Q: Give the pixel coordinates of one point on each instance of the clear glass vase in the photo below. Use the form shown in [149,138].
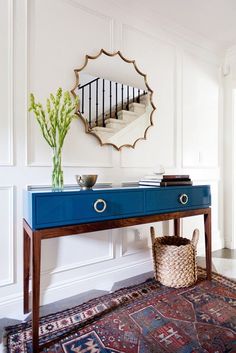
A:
[57,173]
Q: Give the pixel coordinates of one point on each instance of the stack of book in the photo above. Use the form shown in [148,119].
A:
[166,180]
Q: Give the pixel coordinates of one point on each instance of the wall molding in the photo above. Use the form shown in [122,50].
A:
[100,280]
[175,34]
[79,264]
[152,36]
[11,258]
[98,13]
[123,27]
[137,232]
[10,51]
[194,166]
[179,108]
[96,274]
[175,30]
[175,112]
[166,28]
[69,279]
[135,252]
[28,36]
[69,165]
[231,241]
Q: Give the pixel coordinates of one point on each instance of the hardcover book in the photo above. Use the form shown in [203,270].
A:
[176,176]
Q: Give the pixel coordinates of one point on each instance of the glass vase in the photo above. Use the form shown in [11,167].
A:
[57,173]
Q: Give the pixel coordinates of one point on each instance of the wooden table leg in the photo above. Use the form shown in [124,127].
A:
[207,225]
[26,254]
[36,290]
[177,227]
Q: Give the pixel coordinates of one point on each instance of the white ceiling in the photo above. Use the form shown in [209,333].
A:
[215,20]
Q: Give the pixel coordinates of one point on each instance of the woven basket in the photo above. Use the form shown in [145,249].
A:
[174,259]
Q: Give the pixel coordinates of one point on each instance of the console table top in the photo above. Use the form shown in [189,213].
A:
[107,186]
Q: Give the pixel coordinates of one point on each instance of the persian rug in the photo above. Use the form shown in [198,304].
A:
[145,318]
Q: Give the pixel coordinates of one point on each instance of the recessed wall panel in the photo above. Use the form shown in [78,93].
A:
[6,235]
[157,60]
[6,108]
[54,52]
[200,113]
[76,251]
[135,239]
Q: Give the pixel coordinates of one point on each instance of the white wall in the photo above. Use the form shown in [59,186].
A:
[43,42]
[229,175]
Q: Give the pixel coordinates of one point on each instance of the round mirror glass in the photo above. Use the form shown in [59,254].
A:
[115,100]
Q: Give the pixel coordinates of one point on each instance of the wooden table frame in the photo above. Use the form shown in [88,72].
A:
[32,252]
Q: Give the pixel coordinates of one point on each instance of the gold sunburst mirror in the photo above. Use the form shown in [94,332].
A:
[115,100]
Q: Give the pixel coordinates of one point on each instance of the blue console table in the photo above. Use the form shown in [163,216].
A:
[49,214]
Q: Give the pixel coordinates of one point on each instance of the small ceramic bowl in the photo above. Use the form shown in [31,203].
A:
[86,181]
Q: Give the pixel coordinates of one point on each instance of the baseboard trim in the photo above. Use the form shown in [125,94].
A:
[12,306]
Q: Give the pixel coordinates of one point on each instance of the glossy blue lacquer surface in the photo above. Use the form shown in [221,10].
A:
[46,208]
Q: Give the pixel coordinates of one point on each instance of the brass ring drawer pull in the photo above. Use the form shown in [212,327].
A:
[96,204]
[183,199]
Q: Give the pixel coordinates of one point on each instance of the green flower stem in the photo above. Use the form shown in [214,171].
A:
[54,122]
[57,173]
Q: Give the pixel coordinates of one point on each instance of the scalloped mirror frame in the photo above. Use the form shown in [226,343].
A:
[132,62]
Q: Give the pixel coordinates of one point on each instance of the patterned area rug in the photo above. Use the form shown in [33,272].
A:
[144,318]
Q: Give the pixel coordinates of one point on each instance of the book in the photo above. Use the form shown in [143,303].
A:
[166,180]
[176,180]
[176,176]
[166,183]
[148,183]
[151,180]
[176,183]
[148,178]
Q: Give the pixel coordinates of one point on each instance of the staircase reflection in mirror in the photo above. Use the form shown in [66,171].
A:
[115,101]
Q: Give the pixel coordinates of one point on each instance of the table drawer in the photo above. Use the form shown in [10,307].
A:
[53,209]
[177,198]
[50,210]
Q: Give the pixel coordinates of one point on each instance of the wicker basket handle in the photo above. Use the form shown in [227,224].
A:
[195,237]
[153,236]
